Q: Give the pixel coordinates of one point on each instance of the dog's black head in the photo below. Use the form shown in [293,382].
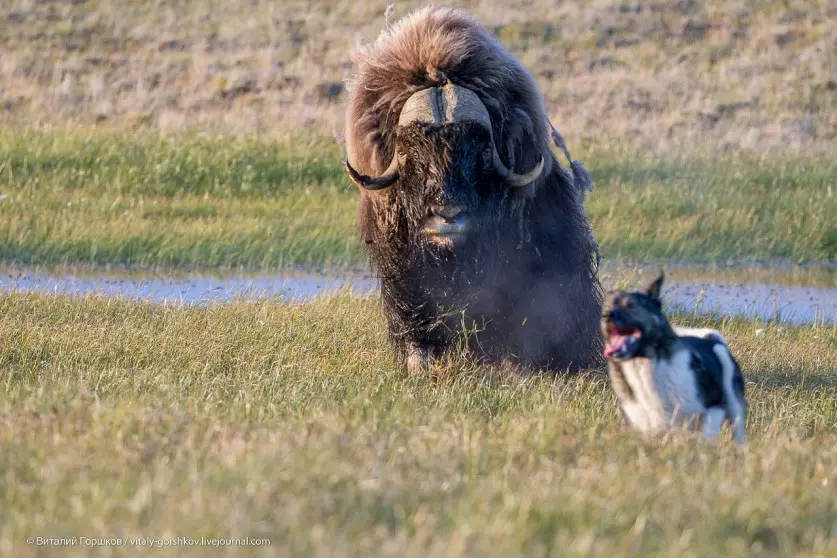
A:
[632,323]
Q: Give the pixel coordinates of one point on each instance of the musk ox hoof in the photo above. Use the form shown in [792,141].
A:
[418,357]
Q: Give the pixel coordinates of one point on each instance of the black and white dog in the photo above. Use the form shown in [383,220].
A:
[668,376]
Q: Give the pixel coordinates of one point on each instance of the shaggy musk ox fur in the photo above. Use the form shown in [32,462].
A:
[475,230]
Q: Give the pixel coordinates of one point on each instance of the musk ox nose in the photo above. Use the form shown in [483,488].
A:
[448,212]
[447,221]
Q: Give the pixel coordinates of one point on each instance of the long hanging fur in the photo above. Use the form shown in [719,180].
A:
[430,47]
[548,287]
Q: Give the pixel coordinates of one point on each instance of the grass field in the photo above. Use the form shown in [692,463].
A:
[174,135]
[95,197]
[290,422]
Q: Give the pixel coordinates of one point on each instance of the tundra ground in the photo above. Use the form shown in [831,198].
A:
[661,75]
[159,133]
[289,421]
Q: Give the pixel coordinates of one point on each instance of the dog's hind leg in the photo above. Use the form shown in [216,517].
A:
[736,407]
[713,421]
[736,414]
[737,421]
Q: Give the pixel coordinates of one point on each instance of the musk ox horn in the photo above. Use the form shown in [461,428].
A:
[453,103]
[369,183]
[513,179]
[450,103]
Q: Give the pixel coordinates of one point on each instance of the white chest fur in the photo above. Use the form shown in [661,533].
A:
[663,392]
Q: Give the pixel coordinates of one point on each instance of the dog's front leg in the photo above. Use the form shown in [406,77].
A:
[713,421]
[737,422]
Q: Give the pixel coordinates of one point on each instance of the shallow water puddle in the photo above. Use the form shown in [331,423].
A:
[790,296]
[792,304]
[189,289]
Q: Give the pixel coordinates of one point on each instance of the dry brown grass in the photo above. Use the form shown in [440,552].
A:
[665,75]
[290,422]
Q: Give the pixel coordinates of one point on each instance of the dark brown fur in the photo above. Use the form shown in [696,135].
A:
[526,278]
[429,47]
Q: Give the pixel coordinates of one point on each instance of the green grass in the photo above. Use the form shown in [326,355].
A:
[704,209]
[145,201]
[291,422]
[100,198]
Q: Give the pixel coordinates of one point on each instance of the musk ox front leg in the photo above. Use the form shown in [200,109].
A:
[418,358]
[414,340]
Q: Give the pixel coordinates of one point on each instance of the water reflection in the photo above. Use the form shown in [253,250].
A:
[791,295]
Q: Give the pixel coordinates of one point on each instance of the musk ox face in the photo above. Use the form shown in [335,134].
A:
[447,184]
[446,178]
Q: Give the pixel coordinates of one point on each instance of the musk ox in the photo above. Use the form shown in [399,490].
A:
[476,232]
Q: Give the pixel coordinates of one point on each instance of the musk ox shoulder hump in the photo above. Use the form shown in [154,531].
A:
[430,47]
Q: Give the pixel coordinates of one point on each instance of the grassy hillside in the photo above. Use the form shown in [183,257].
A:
[667,75]
[170,133]
[290,422]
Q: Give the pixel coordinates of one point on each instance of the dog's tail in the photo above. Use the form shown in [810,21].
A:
[702,332]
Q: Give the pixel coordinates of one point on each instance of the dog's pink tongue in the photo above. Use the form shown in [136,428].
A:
[615,343]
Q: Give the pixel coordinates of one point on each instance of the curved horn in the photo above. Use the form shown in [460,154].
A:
[513,179]
[454,103]
[368,183]
[450,103]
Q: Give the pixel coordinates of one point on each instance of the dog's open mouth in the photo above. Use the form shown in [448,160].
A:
[622,342]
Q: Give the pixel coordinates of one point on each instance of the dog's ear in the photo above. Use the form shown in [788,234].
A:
[655,288]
